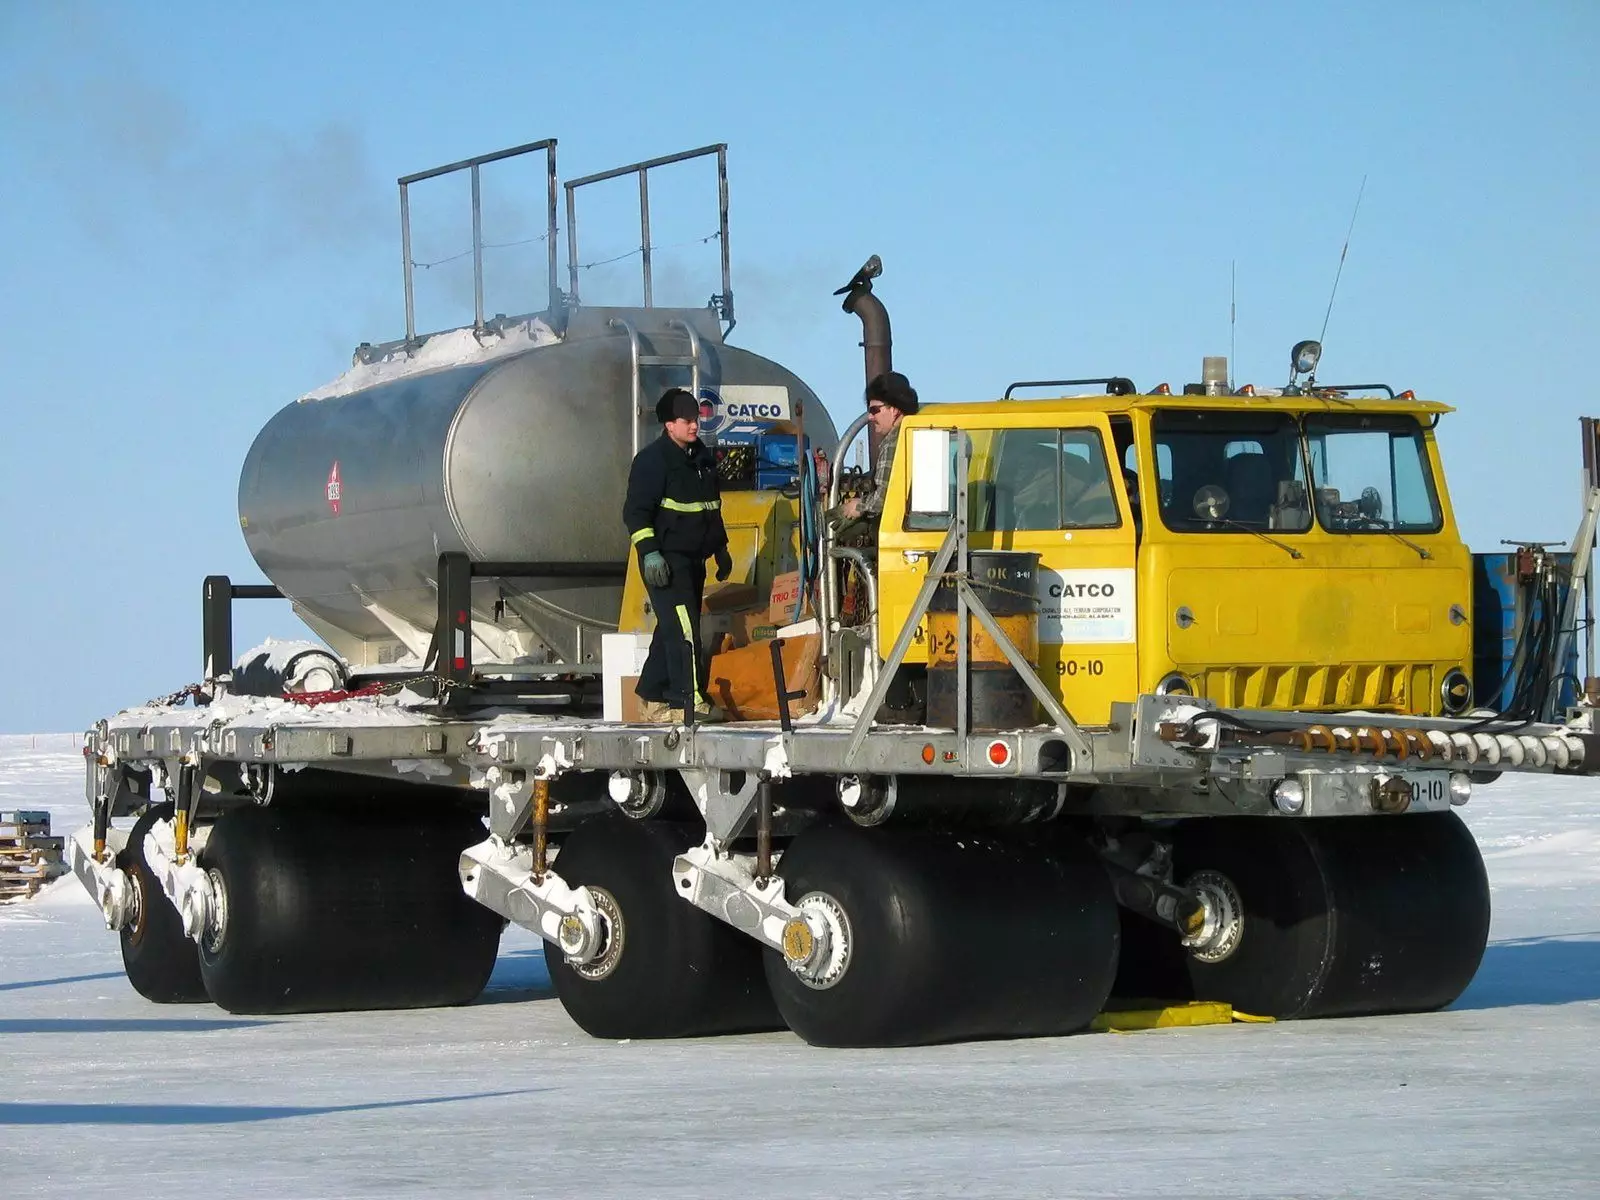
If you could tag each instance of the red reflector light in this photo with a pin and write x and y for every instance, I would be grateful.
(999, 753)
(461, 664)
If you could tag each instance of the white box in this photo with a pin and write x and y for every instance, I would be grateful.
(622, 657)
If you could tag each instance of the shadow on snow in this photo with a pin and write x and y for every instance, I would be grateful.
(50, 1113)
(1542, 970)
(124, 1024)
(33, 983)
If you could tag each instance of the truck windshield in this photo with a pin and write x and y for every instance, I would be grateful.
(1222, 472)
(1370, 472)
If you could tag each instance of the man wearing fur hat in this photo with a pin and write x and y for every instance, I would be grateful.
(674, 516)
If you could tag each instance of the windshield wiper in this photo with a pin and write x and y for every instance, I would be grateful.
(1293, 553)
(1378, 525)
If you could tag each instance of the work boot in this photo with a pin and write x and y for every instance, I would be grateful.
(659, 712)
(709, 714)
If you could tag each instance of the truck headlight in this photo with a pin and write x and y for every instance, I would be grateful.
(1289, 796)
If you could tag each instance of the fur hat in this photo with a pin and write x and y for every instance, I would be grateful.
(676, 404)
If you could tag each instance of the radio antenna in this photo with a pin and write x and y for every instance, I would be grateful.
(1342, 253)
(1233, 313)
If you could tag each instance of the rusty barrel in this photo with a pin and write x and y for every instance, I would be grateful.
(1004, 581)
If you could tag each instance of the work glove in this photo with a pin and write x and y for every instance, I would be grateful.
(724, 563)
(655, 570)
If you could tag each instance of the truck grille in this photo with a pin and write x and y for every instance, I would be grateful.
(1385, 687)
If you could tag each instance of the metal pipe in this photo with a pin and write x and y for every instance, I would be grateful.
(646, 165)
(572, 245)
(633, 355)
(853, 555)
(480, 160)
(550, 225)
(764, 829)
(828, 593)
(405, 260)
(722, 211)
(963, 574)
(877, 341)
(644, 231)
(477, 251)
(541, 828)
(694, 353)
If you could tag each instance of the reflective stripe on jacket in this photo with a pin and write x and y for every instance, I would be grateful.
(673, 504)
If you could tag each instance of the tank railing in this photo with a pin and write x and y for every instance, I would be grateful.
(217, 595)
(452, 635)
(548, 145)
(723, 301)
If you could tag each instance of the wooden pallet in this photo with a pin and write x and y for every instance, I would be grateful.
(29, 856)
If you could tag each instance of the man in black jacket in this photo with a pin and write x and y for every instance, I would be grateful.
(674, 517)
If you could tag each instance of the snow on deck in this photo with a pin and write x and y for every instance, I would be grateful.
(104, 1093)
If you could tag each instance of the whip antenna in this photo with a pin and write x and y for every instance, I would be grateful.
(1233, 314)
(1346, 250)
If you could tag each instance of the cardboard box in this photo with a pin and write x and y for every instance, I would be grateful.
(730, 597)
(785, 596)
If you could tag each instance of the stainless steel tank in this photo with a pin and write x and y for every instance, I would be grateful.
(347, 502)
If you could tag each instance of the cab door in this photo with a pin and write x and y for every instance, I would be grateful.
(1048, 488)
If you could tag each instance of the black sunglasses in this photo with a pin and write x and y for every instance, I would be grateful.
(874, 409)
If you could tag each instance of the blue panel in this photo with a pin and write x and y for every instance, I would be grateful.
(1500, 609)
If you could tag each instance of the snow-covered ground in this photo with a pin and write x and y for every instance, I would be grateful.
(102, 1094)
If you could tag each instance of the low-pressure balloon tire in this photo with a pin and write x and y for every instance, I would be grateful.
(1343, 916)
(670, 970)
(951, 937)
(161, 963)
(324, 912)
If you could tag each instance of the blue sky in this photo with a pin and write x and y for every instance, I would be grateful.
(199, 213)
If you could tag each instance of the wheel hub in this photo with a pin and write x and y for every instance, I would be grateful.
(1222, 927)
(613, 936)
(205, 918)
(817, 942)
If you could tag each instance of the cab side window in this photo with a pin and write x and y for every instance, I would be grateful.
(1044, 479)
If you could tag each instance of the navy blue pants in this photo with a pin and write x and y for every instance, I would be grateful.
(676, 644)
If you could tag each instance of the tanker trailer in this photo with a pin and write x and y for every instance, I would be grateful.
(348, 500)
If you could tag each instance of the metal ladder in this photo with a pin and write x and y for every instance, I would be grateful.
(638, 361)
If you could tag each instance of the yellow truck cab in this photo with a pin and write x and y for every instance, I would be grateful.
(1287, 551)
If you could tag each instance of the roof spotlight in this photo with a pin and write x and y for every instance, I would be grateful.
(1303, 358)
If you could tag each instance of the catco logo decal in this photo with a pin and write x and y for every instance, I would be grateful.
(1100, 590)
(712, 418)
